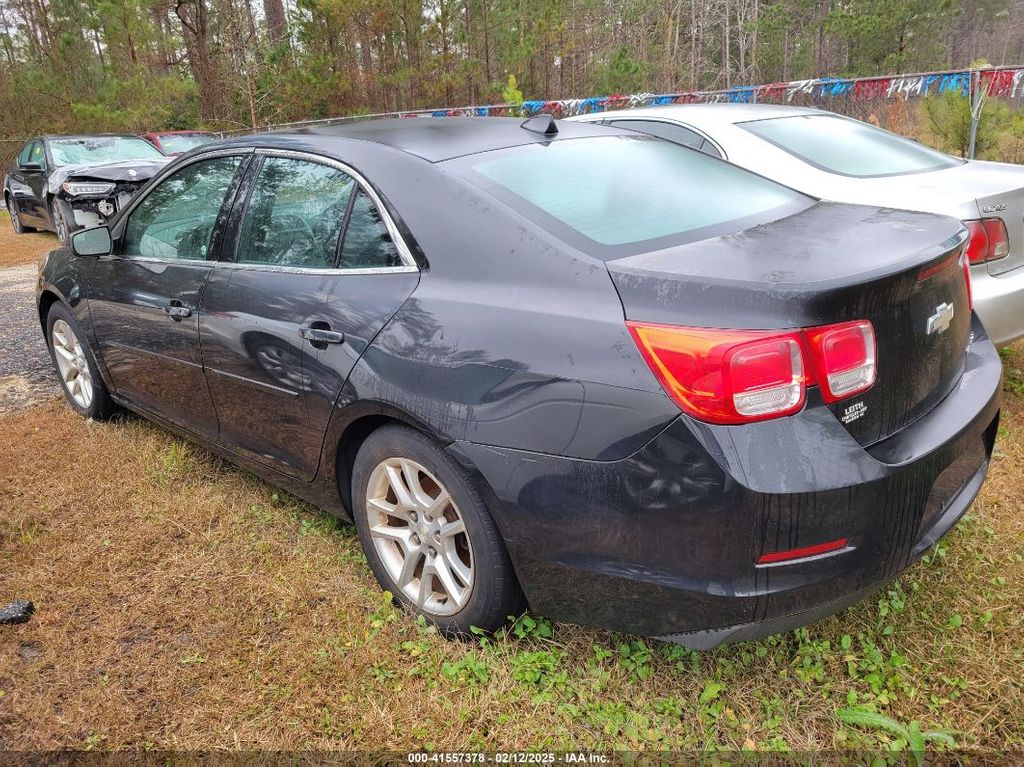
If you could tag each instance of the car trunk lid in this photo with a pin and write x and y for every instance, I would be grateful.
(991, 189)
(828, 264)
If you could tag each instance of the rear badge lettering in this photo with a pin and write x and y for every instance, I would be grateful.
(994, 208)
(854, 411)
(941, 320)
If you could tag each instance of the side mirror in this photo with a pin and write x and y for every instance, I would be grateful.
(31, 167)
(91, 242)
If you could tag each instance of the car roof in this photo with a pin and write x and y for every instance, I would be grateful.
(76, 136)
(178, 133)
(718, 113)
(433, 139)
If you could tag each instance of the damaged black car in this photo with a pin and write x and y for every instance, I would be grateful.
(66, 183)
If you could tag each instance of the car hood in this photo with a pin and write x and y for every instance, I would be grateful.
(122, 170)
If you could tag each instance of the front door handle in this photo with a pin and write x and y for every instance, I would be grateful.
(321, 336)
(176, 311)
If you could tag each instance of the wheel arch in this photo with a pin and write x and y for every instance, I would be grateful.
(372, 416)
(46, 301)
(366, 419)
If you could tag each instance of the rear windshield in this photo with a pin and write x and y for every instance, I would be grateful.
(850, 147)
(96, 149)
(182, 142)
(614, 196)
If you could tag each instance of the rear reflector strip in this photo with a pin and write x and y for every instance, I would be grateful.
(802, 553)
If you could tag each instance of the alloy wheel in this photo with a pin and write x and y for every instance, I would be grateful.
(13, 211)
(60, 226)
(72, 364)
(420, 536)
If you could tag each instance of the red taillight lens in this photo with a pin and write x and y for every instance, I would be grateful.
(845, 355)
(725, 376)
(790, 555)
(988, 241)
(741, 376)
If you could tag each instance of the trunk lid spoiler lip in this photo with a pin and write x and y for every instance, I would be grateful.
(756, 258)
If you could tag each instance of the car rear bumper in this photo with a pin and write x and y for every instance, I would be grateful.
(999, 302)
(665, 543)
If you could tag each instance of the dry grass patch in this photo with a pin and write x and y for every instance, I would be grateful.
(184, 604)
(22, 249)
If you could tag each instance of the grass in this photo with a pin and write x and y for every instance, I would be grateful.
(22, 249)
(184, 604)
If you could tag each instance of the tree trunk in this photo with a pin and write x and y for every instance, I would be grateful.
(277, 22)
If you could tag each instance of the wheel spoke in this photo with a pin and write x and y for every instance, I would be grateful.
(408, 570)
(451, 529)
(398, 534)
(438, 505)
(444, 575)
(381, 506)
(63, 351)
(426, 587)
(455, 563)
(419, 496)
(405, 500)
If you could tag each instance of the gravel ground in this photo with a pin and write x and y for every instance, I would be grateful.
(26, 373)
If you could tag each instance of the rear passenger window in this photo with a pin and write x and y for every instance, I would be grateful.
(295, 214)
(367, 242)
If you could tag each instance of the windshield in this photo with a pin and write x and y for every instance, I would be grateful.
(91, 150)
(622, 195)
(850, 147)
(178, 143)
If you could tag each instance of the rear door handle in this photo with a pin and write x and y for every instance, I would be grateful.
(176, 311)
(319, 337)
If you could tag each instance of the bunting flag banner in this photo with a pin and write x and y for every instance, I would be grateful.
(1004, 82)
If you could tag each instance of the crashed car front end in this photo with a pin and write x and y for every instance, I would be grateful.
(93, 195)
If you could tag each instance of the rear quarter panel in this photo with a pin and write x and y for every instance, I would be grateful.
(511, 338)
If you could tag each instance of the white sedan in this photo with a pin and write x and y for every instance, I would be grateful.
(837, 158)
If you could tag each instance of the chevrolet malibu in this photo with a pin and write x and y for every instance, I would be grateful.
(837, 158)
(549, 364)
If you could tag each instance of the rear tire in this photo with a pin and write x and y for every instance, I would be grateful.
(76, 366)
(12, 209)
(431, 543)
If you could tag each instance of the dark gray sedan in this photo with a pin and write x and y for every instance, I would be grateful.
(567, 365)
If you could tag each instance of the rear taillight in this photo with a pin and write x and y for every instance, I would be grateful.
(846, 358)
(725, 376)
(988, 241)
(741, 376)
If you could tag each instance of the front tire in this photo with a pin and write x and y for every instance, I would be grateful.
(428, 536)
(12, 209)
(76, 366)
(59, 218)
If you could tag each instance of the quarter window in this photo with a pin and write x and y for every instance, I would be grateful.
(176, 219)
(295, 214)
(368, 243)
(670, 132)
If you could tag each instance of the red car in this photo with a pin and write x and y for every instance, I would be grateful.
(175, 142)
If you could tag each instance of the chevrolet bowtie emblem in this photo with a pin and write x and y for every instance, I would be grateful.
(941, 320)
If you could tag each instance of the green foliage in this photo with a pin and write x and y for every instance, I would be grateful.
(512, 94)
(907, 737)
